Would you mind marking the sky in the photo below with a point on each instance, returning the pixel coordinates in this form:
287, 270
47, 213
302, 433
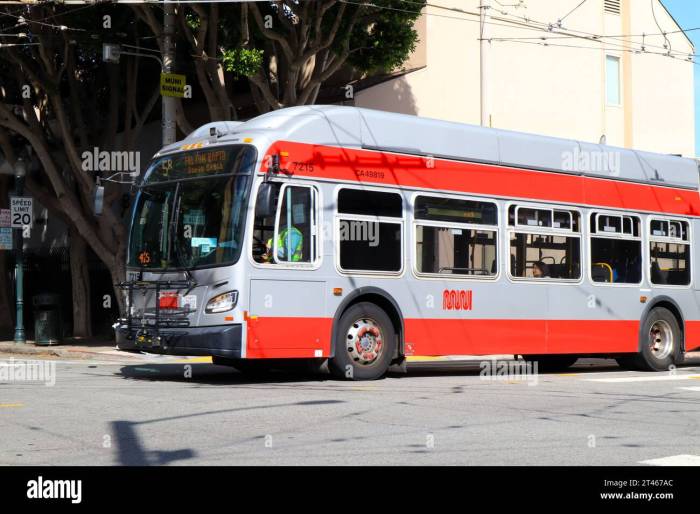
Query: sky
687, 14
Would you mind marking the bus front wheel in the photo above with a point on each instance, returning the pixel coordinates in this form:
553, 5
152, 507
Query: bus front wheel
365, 342
660, 343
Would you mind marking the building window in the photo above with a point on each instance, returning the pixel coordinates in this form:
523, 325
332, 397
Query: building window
669, 252
611, 6
612, 80
616, 249
370, 227
451, 237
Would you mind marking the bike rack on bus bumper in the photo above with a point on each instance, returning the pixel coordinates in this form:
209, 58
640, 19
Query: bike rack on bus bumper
157, 327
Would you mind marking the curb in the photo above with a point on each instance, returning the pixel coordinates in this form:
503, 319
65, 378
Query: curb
52, 351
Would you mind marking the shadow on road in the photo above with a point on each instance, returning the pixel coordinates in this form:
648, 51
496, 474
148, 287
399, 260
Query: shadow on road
210, 374
473, 368
130, 451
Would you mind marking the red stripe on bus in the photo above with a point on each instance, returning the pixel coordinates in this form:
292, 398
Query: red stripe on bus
287, 337
374, 167
692, 336
291, 337
519, 336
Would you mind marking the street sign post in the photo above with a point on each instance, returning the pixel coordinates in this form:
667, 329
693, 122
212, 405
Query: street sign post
5, 230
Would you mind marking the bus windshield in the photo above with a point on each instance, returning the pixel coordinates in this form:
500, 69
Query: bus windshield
190, 210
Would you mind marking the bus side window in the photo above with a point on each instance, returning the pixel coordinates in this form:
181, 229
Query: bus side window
669, 252
369, 230
616, 249
551, 256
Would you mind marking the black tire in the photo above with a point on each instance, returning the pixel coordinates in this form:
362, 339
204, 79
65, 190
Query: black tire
349, 362
549, 363
655, 353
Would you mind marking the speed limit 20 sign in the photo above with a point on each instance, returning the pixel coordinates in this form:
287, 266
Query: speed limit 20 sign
21, 211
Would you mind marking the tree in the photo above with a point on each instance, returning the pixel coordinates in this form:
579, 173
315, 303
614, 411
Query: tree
287, 49
57, 95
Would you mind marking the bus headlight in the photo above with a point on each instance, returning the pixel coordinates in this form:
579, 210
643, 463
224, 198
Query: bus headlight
222, 303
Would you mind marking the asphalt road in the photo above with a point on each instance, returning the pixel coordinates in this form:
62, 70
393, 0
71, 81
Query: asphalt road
105, 413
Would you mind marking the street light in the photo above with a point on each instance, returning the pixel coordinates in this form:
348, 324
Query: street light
112, 52
20, 337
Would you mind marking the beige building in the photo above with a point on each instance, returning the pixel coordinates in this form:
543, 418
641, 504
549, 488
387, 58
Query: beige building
550, 73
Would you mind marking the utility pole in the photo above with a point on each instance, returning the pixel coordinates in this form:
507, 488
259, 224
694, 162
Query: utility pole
168, 118
20, 336
484, 45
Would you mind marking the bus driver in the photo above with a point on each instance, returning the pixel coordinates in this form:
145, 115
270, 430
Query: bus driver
290, 235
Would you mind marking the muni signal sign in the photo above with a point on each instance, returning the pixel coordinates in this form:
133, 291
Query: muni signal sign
172, 84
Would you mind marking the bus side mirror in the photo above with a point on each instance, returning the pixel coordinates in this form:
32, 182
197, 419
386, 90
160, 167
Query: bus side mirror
98, 200
266, 200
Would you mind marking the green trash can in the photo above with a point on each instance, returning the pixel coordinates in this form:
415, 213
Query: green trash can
48, 325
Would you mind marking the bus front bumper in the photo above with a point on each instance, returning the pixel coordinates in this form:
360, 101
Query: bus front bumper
221, 341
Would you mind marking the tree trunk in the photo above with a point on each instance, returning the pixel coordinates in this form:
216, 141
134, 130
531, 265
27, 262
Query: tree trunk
80, 279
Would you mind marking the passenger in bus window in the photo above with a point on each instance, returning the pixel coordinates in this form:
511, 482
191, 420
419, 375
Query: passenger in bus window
540, 270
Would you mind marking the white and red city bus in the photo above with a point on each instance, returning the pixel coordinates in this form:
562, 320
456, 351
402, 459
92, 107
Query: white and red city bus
362, 237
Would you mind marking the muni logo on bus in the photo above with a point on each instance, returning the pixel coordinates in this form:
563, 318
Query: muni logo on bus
457, 300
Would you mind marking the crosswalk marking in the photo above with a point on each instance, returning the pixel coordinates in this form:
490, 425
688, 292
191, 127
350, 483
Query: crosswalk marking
690, 388
650, 378
674, 460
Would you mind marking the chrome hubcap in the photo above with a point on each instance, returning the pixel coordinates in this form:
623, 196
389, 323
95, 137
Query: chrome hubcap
661, 339
364, 341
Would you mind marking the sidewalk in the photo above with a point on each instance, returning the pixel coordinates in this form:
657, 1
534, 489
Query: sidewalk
72, 349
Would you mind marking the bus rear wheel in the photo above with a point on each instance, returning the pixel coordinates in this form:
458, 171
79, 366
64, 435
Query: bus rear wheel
660, 343
365, 342
548, 363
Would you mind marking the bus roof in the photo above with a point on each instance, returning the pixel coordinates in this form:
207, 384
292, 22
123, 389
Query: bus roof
401, 133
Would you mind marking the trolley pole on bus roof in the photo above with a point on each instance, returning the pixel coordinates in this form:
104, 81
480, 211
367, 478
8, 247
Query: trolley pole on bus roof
484, 6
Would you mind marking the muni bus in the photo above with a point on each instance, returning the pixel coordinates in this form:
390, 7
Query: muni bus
359, 238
